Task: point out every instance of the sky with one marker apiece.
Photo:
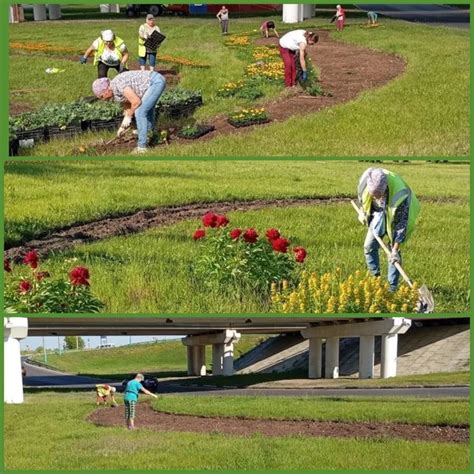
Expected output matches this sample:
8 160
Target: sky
51 342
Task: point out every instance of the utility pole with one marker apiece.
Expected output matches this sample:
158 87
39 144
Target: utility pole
45 354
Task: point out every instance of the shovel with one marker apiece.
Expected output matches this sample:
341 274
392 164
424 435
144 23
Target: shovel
426 301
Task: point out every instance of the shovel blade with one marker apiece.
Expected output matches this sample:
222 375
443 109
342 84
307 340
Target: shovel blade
426 301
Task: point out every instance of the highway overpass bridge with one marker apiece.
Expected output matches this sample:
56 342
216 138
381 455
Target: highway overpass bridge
222 333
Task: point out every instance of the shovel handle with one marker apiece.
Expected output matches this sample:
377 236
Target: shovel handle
385 248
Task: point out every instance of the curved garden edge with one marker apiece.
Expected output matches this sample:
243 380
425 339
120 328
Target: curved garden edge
149 418
139 221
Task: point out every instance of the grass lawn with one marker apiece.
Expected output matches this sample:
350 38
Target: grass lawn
132 273
424 112
73 443
157 358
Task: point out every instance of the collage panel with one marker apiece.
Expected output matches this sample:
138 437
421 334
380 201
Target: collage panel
253 80
237 393
237 237
281 279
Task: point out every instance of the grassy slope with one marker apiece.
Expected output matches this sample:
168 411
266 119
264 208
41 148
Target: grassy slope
159 357
423 113
72 443
84 191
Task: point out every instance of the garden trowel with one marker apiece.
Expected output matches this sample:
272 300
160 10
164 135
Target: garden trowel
426 301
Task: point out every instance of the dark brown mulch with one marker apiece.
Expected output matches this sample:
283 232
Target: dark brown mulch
65 238
151 419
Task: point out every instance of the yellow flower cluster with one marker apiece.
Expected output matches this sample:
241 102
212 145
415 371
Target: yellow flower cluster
249 114
264 52
272 70
230 87
330 293
238 41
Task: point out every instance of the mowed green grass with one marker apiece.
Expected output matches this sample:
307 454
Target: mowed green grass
73 443
423 112
40 196
151 272
157 358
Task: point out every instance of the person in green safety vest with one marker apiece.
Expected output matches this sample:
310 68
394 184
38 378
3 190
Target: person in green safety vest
145 53
389 208
110 52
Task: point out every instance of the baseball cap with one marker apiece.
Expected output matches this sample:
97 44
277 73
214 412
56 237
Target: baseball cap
150 17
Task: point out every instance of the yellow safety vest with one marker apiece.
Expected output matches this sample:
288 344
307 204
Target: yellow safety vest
118 42
398 191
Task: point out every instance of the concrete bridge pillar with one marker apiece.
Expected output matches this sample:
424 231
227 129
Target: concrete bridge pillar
39 12
109 8
389 355
366 357
332 358
14 329
292 12
16 14
308 11
315 357
222 352
54 11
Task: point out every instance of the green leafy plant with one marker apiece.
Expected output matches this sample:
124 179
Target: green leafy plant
242 260
29 290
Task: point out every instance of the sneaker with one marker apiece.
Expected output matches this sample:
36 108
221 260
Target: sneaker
139 150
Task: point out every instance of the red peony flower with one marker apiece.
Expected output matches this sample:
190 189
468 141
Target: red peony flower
280 244
222 221
79 276
24 287
6 265
235 234
250 236
300 254
199 234
272 234
209 220
31 259
40 275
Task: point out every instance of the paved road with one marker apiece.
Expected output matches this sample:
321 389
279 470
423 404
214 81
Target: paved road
432 14
46 378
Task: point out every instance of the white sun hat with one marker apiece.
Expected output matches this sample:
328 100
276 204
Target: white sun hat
107 35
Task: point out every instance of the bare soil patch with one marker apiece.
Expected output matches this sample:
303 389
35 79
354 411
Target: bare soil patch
139 221
157 421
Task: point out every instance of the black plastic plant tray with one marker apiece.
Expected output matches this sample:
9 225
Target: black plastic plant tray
248 124
203 130
13 147
67 132
101 125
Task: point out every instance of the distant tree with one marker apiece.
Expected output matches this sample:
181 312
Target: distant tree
39 349
74 342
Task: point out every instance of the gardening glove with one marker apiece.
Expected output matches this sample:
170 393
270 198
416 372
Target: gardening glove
83 60
304 76
395 256
121 67
362 218
126 122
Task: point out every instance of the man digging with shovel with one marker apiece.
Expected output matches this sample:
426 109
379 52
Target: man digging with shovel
389 207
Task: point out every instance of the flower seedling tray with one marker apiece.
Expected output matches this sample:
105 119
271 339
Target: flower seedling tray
28 138
249 123
101 125
202 130
64 132
13 147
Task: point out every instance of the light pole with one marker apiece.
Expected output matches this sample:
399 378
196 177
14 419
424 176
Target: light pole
45 354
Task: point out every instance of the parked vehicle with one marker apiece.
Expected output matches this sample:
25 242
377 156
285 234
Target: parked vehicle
150 383
134 9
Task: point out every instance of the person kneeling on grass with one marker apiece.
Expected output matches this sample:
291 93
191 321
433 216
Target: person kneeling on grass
138 92
130 398
105 392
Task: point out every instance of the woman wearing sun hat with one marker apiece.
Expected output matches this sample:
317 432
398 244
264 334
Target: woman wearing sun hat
138 92
110 52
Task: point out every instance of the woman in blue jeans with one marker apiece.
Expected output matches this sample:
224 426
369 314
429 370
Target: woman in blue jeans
138 92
